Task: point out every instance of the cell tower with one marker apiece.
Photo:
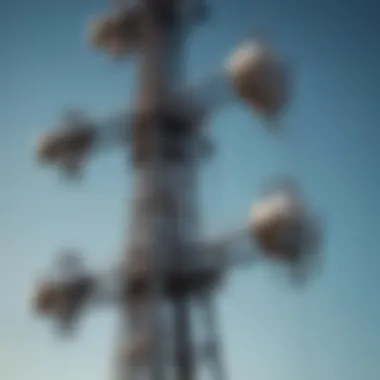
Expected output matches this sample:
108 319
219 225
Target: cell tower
166 269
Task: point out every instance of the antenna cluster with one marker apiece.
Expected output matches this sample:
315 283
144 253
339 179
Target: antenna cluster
166 264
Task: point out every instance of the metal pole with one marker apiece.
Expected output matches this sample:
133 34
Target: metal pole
215 355
183 342
160 76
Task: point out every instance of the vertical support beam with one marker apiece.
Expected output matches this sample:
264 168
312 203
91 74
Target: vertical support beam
213 351
183 340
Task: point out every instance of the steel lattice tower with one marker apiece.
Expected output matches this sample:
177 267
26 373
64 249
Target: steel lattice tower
166 270
166 153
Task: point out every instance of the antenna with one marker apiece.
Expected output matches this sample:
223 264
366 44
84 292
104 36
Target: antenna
166 262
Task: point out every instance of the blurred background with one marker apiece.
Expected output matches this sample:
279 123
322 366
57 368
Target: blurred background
327 331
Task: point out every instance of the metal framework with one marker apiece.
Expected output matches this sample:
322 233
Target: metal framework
167 270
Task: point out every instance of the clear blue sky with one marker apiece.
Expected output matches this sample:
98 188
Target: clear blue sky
330 331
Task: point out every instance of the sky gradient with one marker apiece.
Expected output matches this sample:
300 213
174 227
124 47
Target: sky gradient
328 331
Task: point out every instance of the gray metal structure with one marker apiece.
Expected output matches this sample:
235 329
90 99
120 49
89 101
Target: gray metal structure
166 270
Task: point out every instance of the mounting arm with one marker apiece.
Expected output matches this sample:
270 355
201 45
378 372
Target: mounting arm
64 297
69 146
